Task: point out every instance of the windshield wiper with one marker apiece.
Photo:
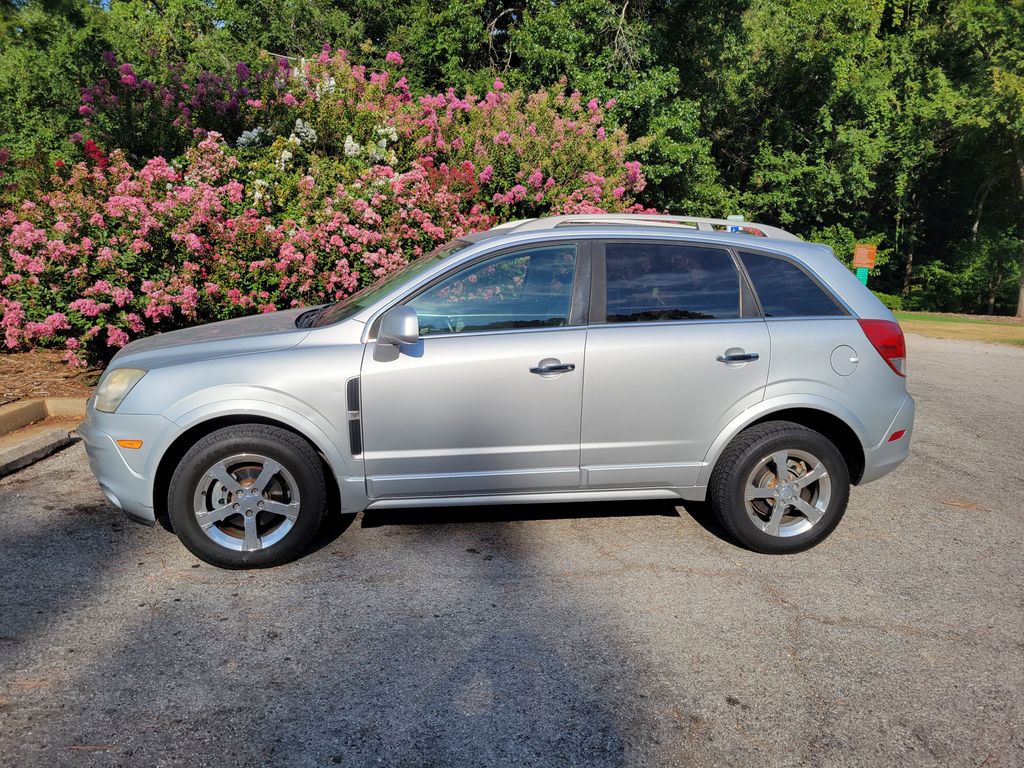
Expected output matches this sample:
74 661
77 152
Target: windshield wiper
306 319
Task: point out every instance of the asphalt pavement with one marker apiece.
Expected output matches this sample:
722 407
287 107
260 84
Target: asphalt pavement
589 635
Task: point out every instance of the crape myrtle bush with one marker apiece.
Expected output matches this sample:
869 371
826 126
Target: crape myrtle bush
335 176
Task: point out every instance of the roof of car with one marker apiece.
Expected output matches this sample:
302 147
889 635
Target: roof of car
677 223
742 235
738 234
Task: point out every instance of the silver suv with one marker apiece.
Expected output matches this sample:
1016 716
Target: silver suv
571 358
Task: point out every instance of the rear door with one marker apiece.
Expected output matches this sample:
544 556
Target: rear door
675 350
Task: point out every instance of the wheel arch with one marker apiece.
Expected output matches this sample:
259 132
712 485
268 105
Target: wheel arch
182 443
826 418
832 427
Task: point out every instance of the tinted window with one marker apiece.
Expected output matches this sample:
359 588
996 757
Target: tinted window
524 289
785 290
656 282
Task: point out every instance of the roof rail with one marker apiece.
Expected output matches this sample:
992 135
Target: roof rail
649 219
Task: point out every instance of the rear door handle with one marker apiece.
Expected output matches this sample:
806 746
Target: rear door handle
738 357
553 368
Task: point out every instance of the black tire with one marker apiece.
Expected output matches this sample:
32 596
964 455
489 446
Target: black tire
746 455
299 464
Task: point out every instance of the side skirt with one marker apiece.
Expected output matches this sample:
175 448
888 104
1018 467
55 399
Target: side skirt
525 498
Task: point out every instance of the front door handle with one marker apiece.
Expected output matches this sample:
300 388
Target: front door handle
738 357
546 367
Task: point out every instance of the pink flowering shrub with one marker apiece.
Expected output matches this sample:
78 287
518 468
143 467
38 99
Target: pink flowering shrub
340 176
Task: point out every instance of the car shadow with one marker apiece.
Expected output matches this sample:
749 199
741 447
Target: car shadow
418 638
334 525
702 514
699 511
433 644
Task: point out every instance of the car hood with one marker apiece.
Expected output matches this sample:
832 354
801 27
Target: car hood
241 336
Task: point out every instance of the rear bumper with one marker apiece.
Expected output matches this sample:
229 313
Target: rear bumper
126 476
886 456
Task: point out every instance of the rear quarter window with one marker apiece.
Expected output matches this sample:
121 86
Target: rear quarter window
785 290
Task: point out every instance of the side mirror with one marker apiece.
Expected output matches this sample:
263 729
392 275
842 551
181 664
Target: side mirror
399 326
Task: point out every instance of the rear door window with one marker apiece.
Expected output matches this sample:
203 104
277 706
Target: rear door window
658 282
785 290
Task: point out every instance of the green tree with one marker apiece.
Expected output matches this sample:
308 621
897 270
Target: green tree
992 35
895 121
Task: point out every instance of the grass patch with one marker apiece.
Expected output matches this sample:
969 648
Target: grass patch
995 330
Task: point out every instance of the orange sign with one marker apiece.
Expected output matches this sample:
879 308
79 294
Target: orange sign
864 256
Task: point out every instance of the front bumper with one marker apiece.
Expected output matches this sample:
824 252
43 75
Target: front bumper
885 457
126 476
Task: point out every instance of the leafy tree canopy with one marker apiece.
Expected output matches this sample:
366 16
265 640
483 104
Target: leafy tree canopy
899 122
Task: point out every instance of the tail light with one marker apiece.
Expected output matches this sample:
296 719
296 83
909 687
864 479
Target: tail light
887 337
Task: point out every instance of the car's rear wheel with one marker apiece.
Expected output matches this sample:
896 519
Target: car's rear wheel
780 487
248 496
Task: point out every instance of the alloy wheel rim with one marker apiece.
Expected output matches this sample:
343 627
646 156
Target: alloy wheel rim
787 493
246 502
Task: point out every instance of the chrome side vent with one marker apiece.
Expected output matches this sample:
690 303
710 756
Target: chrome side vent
355 428
352 394
355 437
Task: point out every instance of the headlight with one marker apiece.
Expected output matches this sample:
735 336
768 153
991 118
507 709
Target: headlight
115 387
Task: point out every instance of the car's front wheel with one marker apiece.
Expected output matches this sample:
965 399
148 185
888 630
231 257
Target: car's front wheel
248 496
780 487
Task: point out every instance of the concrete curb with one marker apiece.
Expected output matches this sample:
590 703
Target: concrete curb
20 414
23 441
32 449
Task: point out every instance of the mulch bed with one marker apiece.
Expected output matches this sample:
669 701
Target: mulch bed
42 373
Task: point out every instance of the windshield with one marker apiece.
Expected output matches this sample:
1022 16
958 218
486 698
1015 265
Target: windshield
369 294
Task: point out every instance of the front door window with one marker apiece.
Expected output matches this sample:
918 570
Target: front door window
524 289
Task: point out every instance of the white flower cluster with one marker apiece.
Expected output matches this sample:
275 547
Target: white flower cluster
376 150
300 71
258 136
325 87
287 155
259 190
303 132
387 132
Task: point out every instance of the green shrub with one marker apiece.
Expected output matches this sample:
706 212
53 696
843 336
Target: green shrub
892 302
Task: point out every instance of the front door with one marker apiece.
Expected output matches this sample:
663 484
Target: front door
672 357
490 398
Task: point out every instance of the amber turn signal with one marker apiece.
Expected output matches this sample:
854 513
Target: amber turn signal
133 444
